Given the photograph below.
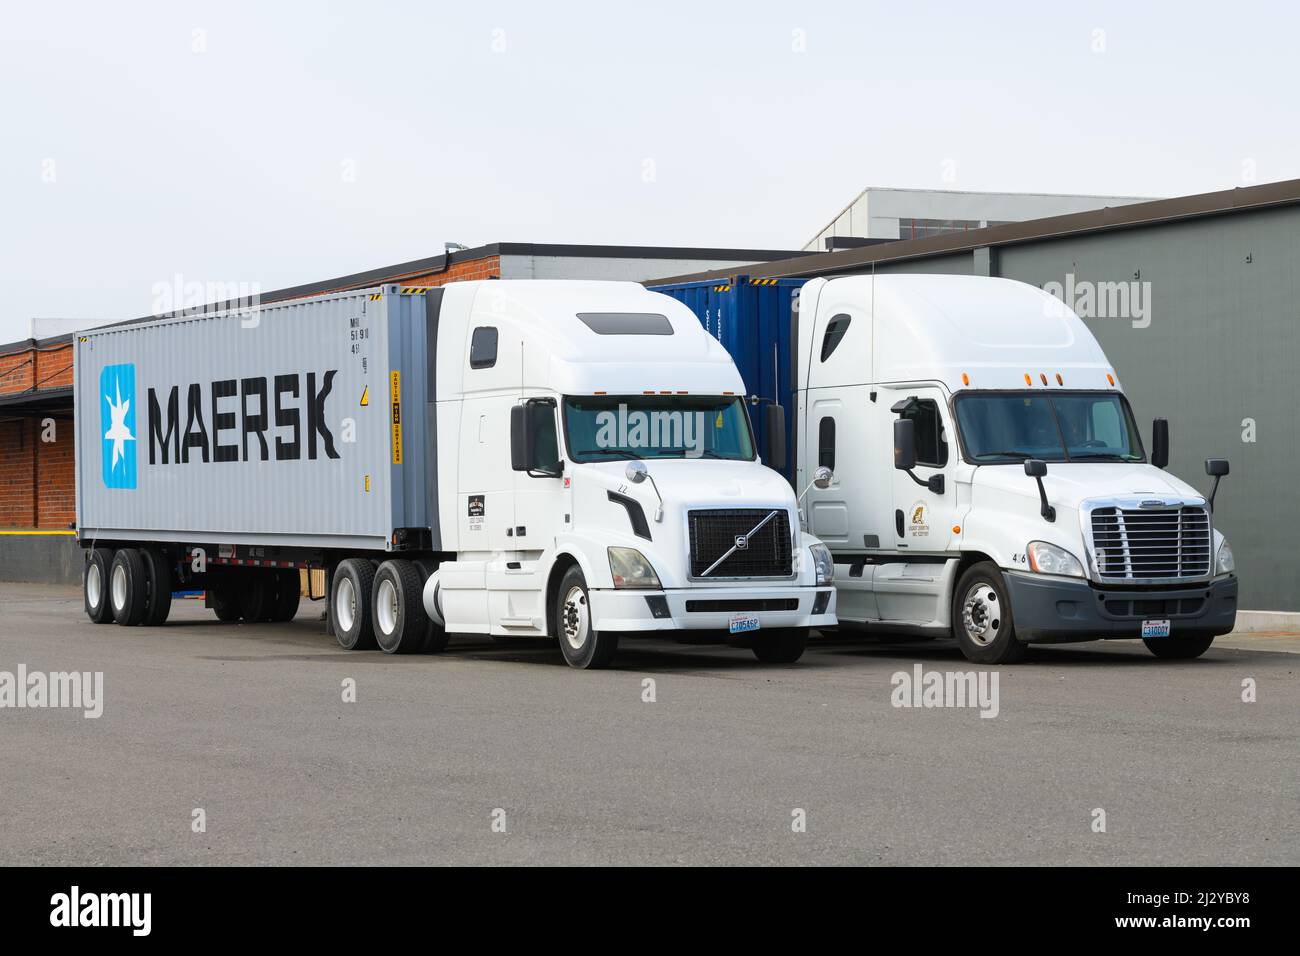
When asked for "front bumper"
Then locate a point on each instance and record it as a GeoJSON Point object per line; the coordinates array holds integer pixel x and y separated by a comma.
{"type": "Point", "coordinates": [1053, 610]}
{"type": "Point", "coordinates": [711, 609]}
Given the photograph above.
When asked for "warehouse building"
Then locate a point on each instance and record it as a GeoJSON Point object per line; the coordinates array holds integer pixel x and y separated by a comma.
{"type": "Point", "coordinates": [884, 214]}
{"type": "Point", "coordinates": [37, 484]}
{"type": "Point", "coordinates": [1195, 301]}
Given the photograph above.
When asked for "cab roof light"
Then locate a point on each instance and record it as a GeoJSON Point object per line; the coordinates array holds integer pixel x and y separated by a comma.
{"type": "Point", "coordinates": [1059, 379]}
{"type": "Point", "coordinates": [965, 379]}
{"type": "Point", "coordinates": [1043, 376]}
{"type": "Point", "coordinates": [1028, 380]}
{"type": "Point", "coordinates": [1110, 378]}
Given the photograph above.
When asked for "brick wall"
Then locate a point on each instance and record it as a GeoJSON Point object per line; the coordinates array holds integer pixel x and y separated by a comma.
{"type": "Point", "coordinates": [36, 476]}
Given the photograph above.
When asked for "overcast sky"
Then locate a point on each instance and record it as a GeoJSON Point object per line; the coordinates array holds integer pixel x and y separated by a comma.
{"type": "Point", "coordinates": [279, 143]}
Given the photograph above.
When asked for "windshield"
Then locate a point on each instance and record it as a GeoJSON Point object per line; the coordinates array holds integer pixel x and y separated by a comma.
{"type": "Point", "coordinates": [607, 428]}
{"type": "Point", "coordinates": [1066, 426]}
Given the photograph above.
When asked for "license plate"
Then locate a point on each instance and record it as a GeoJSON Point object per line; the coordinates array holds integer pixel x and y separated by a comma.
{"type": "Point", "coordinates": [1155, 628]}
{"type": "Point", "coordinates": [743, 622]}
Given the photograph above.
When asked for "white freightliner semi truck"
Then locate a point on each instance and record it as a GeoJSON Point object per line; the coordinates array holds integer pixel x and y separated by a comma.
{"type": "Point", "coordinates": [990, 481]}
{"type": "Point", "coordinates": [562, 460]}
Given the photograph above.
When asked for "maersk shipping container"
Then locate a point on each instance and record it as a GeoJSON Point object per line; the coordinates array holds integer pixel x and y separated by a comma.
{"type": "Point", "coordinates": [300, 424]}
{"type": "Point", "coordinates": [752, 318]}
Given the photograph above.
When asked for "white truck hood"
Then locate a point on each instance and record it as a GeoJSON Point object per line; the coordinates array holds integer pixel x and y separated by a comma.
{"type": "Point", "coordinates": [1069, 484]}
{"type": "Point", "coordinates": [708, 482]}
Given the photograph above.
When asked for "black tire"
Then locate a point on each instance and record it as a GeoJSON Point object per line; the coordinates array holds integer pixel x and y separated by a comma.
{"type": "Point", "coordinates": [159, 602]}
{"type": "Point", "coordinates": [288, 595]}
{"type": "Point", "coordinates": [225, 603]}
{"type": "Point", "coordinates": [779, 646]}
{"type": "Point", "coordinates": [582, 645]}
{"type": "Point", "coordinates": [397, 608]}
{"type": "Point", "coordinates": [435, 636]}
{"type": "Point", "coordinates": [1178, 648]}
{"type": "Point", "coordinates": [128, 587]}
{"type": "Point", "coordinates": [94, 585]}
{"type": "Point", "coordinates": [256, 596]}
{"type": "Point", "coordinates": [350, 592]}
{"type": "Point", "coordinates": [982, 617]}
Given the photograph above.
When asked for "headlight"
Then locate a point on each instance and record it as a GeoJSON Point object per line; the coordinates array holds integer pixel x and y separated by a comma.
{"type": "Point", "coordinates": [1224, 563]}
{"type": "Point", "coordinates": [631, 569]}
{"type": "Point", "coordinates": [1049, 559]}
{"type": "Point", "coordinates": [823, 562]}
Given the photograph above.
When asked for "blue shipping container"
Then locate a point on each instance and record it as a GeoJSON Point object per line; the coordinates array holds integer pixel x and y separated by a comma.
{"type": "Point", "coordinates": [752, 320]}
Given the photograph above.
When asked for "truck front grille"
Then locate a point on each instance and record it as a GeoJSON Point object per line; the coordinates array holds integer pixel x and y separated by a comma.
{"type": "Point", "coordinates": [1141, 545]}
{"type": "Point", "coordinates": [769, 553]}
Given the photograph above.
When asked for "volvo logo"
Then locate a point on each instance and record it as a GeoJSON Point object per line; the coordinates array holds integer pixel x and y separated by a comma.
{"type": "Point", "coordinates": [742, 542]}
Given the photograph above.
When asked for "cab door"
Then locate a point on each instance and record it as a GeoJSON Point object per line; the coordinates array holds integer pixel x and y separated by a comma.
{"type": "Point", "coordinates": [924, 518]}
{"type": "Point", "coordinates": [911, 587]}
{"type": "Point", "coordinates": [543, 508]}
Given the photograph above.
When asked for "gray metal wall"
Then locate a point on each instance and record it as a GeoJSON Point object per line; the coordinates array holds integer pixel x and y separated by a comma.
{"type": "Point", "coordinates": [1223, 346]}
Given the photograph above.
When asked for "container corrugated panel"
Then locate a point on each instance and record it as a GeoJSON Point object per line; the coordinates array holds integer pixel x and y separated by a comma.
{"type": "Point", "coordinates": [752, 320]}
{"type": "Point", "coordinates": [270, 428]}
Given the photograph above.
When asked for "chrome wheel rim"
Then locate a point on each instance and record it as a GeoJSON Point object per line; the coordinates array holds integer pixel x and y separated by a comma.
{"type": "Point", "coordinates": [386, 607]}
{"type": "Point", "coordinates": [94, 586]}
{"type": "Point", "coordinates": [981, 614]}
{"type": "Point", "coordinates": [119, 587]}
{"type": "Point", "coordinates": [575, 618]}
{"type": "Point", "coordinates": [345, 604]}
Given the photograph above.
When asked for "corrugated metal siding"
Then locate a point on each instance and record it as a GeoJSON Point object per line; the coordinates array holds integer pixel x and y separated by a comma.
{"type": "Point", "coordinates": [751, 318]}
{"type": "Point", "coordinates": [289, 502]}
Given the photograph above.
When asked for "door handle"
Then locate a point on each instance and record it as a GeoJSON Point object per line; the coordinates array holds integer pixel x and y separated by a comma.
{"type": "Point", "coordinates": [898, 521]}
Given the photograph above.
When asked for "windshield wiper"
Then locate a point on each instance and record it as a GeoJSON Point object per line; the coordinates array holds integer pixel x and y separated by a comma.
{"type": "Point", "coordinates": [1022, 455]}
{"type": "Point", "coordinates": [1099, 456]}
{"type": "Point", "coordinates": [613, 452]}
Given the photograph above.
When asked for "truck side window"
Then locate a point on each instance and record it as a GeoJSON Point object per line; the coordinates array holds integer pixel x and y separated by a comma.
{"type": "Point", "coordinates": [931, 443]}
{"type": "Point", "coordinates": [483, 347]}
{"type": "Point", "coordinates": [826, 443]}
{"type": "Point", "coordinates": [835, 330]}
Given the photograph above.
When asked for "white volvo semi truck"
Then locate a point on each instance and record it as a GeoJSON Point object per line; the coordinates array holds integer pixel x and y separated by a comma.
{"type": "Point", "coordinates": [990, 480]}
{"type": "Point", "coordinates": [562, 460]}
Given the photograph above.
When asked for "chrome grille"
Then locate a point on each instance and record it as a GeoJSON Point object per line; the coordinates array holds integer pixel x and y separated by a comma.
{"type": "Point", "coordinates": [1131, 544]}
{"type": "Point", "coordinates": [769, 553]}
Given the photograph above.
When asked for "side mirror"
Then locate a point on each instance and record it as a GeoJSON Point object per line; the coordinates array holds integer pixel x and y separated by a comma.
{"type": "Point", "coordinates": [521, 439]}
{"type": "Point", "coordinates": [637, 472]}
{"type": "Point", "coordinates": [1216, 468]}
{"type": "Point", "coordinates": [904, 444]}
{"type": "Point", "coordinates": [774, 432]}
{"type": "Point", "coordinates": [1036, 468]}
{"type": "Point", "coordinates": [1160, 443]}
{"type": "Point", "coordinates": [822, 478]}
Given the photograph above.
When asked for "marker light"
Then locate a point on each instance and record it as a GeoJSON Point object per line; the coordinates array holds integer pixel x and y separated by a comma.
{"type": "Point", "coordinates": [1043, 376]}
{"type": "Point", "coordinates": [965, 379]}
{"type": "Point", "coordinates": [1059, 380]}
{"type": "Point", "coordinates": [1028, 380]}
{"type": "Point", "coordinates": [1110, 378]}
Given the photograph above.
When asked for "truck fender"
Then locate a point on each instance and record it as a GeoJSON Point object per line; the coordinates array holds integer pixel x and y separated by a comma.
{"type": "Point", "coordinates": [433, 599]}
